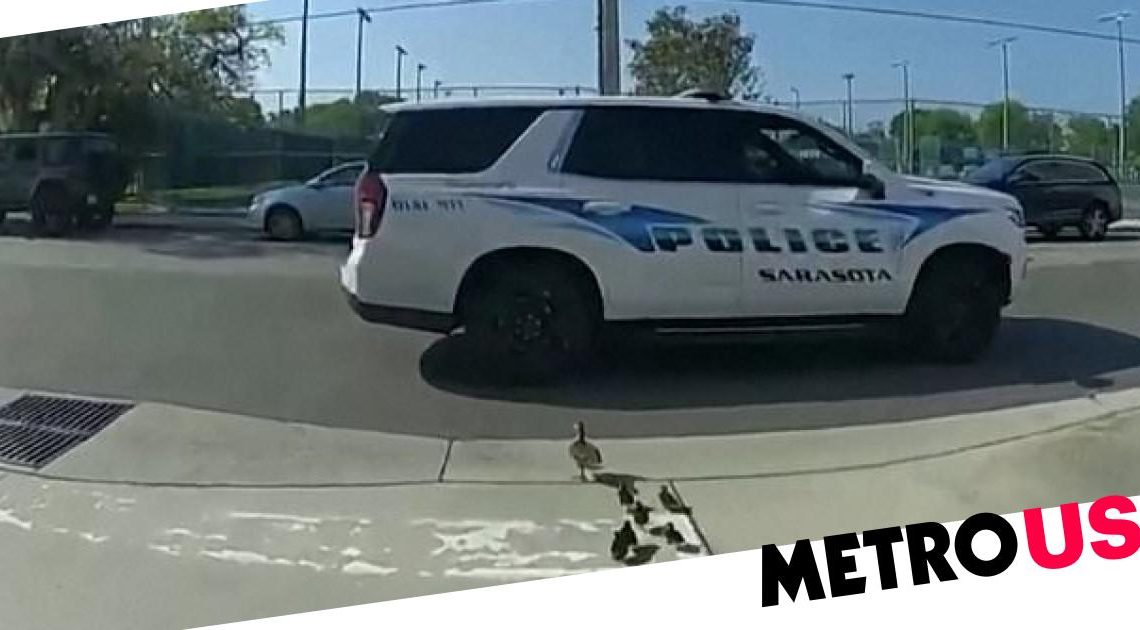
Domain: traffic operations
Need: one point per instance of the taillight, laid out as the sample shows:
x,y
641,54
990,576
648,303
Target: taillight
x,y
371,197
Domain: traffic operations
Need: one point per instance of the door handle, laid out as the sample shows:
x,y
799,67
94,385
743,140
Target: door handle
x,y
604,207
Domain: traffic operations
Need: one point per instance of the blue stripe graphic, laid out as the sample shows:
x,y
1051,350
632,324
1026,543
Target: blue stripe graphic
x,y
634,226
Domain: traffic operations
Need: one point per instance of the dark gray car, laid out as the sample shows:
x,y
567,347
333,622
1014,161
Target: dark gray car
x,y
1057,191
64,180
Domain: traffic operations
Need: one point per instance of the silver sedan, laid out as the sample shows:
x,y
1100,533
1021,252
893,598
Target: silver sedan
x,y
322,204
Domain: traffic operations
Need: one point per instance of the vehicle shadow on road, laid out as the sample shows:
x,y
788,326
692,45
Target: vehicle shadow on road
x,y
645,374
213,246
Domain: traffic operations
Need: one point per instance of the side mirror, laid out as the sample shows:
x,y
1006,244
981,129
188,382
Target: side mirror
x,y
872,185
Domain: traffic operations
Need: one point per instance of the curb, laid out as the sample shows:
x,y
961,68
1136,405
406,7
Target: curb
x,y
194,449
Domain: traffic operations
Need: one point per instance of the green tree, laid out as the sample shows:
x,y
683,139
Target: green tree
x,y
356,118
111,76
948,125
681,53
1132,132
1028,131
1091,137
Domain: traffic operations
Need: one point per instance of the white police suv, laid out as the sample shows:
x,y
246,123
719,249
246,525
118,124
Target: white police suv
x,y
530,224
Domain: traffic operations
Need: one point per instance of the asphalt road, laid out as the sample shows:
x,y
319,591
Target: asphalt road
x,y
208,315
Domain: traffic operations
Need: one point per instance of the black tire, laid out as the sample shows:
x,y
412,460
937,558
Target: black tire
x,y
955,309
1049,232
530,324
1094,222
283,223
53,211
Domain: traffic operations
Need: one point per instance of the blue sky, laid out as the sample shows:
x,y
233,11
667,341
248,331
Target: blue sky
x,y
553,41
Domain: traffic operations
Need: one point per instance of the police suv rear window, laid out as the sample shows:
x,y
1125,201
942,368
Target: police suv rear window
x,y
662,144
450,141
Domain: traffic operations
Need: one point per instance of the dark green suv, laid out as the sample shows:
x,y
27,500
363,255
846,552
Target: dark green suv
x,y
64,180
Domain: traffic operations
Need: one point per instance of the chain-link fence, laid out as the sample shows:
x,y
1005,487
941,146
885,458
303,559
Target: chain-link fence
x,y
279,101
953,137
221,162
950,137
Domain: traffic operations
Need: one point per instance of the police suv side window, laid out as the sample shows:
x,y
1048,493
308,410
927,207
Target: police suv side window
x,y
676,144
781,150
450,141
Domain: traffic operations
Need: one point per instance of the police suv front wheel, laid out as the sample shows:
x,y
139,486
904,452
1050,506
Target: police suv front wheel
x,y
955,311
530,324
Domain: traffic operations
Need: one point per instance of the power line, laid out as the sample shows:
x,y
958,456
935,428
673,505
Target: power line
x,y
409,6
937,17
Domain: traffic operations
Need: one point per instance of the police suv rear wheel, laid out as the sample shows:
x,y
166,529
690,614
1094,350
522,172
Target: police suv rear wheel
x,y
529,324
955,310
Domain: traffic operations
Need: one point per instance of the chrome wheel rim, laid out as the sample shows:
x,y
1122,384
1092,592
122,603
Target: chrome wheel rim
x,y
1096,223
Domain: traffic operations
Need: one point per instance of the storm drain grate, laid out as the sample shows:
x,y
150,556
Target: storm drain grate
x,y
35,430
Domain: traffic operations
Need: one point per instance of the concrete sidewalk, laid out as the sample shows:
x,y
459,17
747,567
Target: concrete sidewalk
x,y
174,517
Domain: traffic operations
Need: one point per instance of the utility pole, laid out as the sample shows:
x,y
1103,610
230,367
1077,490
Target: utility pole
x,y
419,79
1004,43
849,114
1122,154
796,96
908,119
400,53
609,48
363,17
304,62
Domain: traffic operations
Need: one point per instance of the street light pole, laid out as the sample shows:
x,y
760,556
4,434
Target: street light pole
x,y
304,62
609,48
419,78
908,118
363,17
1004,43
435,89
1119,17
850,113
796,95
400,53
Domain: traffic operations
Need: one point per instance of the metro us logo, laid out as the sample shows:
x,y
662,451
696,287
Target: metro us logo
x,y
927,548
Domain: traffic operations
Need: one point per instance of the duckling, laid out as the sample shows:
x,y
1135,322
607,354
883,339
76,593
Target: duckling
x,y
641,555
672,536
625,495
584,454
624,538
640,513
670,502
